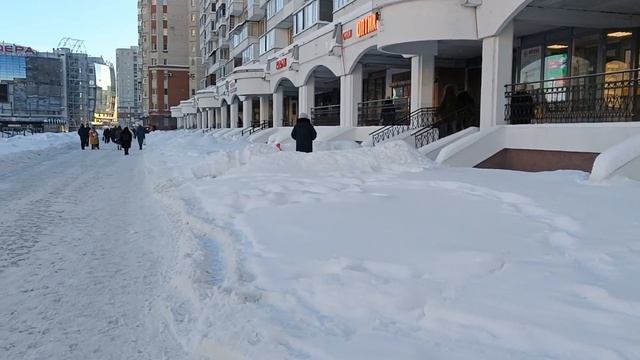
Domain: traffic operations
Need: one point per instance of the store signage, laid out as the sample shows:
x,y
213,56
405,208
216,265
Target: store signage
x,y
367,25
232,88
12,49
346,35
281,63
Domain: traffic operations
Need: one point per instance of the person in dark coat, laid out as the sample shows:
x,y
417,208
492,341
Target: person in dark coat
x,y
304,134
106,136
116,138
83,132
140,134
125,140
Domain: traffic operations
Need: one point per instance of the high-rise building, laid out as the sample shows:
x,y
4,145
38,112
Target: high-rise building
x,y
80,86
170,68
105,92
127,84
32,89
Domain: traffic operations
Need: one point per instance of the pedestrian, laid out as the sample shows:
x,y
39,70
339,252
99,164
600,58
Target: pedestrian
x,y
106,136
94,139
140,135
83,136
304,134
125,140
116,135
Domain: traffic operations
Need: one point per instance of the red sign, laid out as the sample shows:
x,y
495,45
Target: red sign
x,y
281,63
367,25
346,35
13,49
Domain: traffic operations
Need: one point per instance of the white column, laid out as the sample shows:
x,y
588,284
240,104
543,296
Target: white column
x,y
497,63
234,114
278,99
199,119
264,108
423,77
247,112
225,116
350,96
218,111
307,96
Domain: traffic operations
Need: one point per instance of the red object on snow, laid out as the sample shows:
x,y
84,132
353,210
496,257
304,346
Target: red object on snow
x,y
278,147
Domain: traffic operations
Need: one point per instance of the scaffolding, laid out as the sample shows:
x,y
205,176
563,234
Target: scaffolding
x,y
79,77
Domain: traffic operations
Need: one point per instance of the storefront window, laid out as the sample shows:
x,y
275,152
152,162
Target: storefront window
x,y
618,59
585,55
531,64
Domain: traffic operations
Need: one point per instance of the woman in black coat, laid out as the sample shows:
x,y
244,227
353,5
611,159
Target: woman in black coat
x,y
304,134
125,140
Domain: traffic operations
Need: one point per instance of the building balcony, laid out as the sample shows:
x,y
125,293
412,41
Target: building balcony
x,y
235,7
254,11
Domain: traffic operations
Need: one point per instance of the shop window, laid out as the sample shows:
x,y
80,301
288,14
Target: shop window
x,y
531,64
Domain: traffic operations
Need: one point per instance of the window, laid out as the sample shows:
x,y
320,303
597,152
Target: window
x,y
305,18
4,93
273,7
337,4
267,42
248,54
13,67
240,36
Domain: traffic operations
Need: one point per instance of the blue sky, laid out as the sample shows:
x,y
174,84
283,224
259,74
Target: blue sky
x,y
104,25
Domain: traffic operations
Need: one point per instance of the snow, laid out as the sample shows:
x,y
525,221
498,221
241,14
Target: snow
x,y
227,249
36,142
615,158
377,253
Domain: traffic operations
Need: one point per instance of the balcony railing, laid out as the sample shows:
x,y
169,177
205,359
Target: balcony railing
x,y
382,112
326,115
605,97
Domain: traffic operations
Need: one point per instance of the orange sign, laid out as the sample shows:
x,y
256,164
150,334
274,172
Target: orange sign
x,y
281,63
367,25
346,35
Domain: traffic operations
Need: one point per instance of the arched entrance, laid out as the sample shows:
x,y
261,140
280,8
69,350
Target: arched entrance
x,y
325,95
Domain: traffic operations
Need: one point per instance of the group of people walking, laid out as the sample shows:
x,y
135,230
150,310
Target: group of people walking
x,y
118,135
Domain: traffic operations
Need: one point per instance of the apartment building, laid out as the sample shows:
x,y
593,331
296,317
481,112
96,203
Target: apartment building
x,y
426,70
129,109
170,66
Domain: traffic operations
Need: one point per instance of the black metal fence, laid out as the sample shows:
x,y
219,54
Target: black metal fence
x,y
382,112
605,97
326,115
418,119
446,125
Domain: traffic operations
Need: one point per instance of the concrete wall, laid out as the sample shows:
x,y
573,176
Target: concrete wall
x,y
594,138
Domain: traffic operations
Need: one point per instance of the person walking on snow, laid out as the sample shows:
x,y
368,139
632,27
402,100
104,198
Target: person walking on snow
x,y
94,139
84,136
125,140
304,134
106,136
115,134
140,135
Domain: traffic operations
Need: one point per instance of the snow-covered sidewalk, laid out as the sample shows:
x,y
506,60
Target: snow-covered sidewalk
x,y
377,254
85,250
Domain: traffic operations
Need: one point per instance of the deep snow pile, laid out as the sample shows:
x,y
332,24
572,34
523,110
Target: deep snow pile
x,y
36,142
374,253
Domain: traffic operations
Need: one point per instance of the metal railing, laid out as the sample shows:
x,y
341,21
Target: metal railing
x,y
604,97
257,126
447,125
382,112
326,115
418,119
